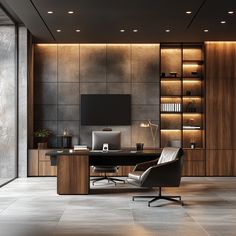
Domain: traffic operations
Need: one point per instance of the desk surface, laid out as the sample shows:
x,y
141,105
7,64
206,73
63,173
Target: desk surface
x,y
124,157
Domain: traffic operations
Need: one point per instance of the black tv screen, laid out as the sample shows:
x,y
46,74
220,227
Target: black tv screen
x,y
105,109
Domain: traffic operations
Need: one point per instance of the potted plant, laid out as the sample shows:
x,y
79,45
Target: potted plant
x,y
41,137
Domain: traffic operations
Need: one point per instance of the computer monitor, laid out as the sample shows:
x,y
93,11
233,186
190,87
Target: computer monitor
x,y
110,137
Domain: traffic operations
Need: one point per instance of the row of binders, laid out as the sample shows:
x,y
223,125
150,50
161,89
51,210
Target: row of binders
x,y
171,107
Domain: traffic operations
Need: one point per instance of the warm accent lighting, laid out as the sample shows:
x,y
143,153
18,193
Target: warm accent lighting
x,y
230,12
70,12
77,30
50,12
58,30
135,30
188,12
206,30
223,22
167,30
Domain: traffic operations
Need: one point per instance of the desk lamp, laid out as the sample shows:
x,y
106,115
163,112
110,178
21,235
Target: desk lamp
x,y
153,127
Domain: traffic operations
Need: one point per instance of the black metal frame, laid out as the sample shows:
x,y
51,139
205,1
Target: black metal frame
x,y
160,196
108,179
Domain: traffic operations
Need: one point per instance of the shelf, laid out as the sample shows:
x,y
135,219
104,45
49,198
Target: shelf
x,y
192,97
192,113
186,89
170,96
198,62
198,78
171,112
171,79
171,130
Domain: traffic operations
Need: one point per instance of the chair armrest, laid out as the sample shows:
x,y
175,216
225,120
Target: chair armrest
x,y
145,165
165,174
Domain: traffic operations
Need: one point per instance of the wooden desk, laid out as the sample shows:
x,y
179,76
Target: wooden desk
x,y
73,168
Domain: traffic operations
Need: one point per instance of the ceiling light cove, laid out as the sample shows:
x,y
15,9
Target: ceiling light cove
x,y
50,12
188,12
206,30
122,30
78,30
58,30
70,12
223,22
135,30
167,30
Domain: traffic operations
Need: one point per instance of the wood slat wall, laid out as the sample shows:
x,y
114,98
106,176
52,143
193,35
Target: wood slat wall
x,y
220,108
220,95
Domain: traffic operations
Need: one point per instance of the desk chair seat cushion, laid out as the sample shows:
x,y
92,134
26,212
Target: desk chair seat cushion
x,y
106,169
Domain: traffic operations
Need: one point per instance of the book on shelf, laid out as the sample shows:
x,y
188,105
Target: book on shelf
x,y
80,148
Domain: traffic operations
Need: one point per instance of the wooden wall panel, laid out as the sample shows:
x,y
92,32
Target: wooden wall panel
x,y
220,162
194,162
220,95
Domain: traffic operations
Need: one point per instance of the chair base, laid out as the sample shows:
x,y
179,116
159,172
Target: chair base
x,y
114,180
156,198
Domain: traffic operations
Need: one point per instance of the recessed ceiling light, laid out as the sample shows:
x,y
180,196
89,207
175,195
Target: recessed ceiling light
x,y
223,22
135,30
58,30
50,12
188,12
167,30
70,12
230,12
206,30
122,30
77,30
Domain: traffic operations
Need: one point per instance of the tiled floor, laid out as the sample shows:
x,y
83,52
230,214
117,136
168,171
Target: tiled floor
x,y
32,204
4,180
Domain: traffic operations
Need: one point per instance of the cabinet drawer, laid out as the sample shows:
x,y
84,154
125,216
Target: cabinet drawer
x,y
45,169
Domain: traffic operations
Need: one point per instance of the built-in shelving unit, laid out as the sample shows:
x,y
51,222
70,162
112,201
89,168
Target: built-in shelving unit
x,y
182,95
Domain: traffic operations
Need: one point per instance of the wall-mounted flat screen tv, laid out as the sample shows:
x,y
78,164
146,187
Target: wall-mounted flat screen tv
x,y
105,109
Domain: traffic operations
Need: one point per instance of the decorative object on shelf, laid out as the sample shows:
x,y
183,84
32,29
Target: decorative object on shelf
x,y
65,141
41,137
194,73
153,127
191,106
174,74
188,93
65,132
139,146
192,145
163,74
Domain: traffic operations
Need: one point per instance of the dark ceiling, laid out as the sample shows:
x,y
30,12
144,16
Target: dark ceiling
x,y
4,19
100,21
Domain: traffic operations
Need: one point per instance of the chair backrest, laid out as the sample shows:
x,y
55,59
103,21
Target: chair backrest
x,y
168,154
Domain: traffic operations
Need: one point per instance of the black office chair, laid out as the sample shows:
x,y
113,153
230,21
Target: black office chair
x,y
105,170
105,137
163,172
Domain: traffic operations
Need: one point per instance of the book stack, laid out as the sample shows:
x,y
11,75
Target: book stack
x,y
171,107
80,148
